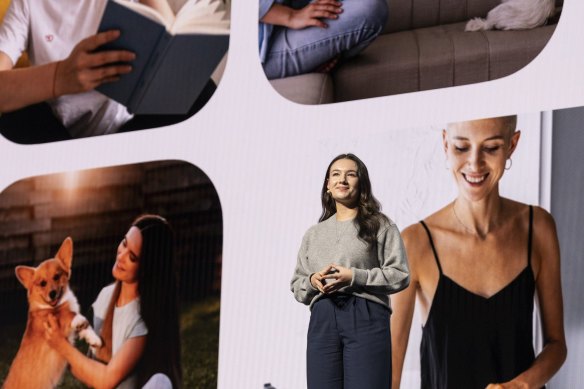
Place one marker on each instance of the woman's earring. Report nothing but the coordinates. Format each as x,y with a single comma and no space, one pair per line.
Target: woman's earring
446,166
510,163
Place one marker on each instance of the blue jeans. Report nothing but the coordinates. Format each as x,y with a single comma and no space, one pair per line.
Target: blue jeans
348,345
292,52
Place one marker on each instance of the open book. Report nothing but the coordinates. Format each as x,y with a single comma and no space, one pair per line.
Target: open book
174,58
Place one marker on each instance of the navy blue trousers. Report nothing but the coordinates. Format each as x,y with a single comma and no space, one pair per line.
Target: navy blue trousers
349,344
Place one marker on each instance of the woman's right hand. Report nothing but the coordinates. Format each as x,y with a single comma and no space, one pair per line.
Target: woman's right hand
86,69
316,278
313,13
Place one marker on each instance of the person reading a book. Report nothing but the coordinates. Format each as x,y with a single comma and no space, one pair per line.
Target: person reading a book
137,316
302,36
55,95
476,266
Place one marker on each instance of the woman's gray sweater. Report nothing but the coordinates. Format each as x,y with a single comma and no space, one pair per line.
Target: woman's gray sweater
376,273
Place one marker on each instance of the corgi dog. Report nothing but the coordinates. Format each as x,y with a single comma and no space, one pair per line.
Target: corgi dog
515,15
36,365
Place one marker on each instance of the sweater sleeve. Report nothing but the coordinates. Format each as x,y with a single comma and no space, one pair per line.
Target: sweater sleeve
393,273
300,285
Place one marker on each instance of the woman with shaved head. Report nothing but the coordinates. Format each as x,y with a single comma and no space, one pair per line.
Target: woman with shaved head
476,265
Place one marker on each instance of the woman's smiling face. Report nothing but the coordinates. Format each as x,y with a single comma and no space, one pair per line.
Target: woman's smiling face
128,256
476,152
343,182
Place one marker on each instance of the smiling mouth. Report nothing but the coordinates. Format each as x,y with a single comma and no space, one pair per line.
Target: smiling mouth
474,180
56,300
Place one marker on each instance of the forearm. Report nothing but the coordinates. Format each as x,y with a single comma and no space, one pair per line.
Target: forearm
401,323
22,87
303,290
279,15
393,274
547,363
91,372
398,353
387,280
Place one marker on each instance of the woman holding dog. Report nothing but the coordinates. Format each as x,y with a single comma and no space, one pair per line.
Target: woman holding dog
347,266
475,267
137,316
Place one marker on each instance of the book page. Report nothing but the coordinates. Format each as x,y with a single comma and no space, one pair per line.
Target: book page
202,17
146,11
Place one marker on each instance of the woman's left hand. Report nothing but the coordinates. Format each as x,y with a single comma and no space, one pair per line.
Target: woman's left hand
53,334
342,277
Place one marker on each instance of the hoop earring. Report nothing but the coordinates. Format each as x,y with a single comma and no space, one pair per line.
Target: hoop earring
510,164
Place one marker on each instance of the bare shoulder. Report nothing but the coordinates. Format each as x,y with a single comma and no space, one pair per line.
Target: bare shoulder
419,250
543,222
545,236
413,236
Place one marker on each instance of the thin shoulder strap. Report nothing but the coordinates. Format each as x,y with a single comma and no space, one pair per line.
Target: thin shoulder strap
432,244
529,238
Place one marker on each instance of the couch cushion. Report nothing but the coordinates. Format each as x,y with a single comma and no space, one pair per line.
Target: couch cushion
436,57
311,88
410,14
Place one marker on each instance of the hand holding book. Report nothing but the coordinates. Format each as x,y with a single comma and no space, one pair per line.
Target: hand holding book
86,69
174,59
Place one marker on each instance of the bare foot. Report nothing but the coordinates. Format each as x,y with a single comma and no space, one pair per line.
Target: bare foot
328,66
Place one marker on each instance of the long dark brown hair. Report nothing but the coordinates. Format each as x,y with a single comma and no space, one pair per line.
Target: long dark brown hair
158,291
369,216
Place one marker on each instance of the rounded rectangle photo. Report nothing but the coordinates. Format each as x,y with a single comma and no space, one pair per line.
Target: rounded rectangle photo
114,272
328,51
78,69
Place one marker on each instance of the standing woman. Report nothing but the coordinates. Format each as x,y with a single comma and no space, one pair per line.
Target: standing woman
476,265
348,265
136,316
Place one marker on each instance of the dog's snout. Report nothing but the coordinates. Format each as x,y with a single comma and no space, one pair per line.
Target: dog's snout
53,294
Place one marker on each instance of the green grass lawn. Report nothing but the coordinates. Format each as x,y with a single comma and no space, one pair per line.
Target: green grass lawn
199,324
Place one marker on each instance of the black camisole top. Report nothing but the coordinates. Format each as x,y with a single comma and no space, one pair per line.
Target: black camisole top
470,341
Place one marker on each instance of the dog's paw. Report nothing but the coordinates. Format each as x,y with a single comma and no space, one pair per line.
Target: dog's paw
91,337
79,323
477,24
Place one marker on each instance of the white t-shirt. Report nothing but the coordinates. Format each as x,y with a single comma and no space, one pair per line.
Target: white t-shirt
49,30
127,323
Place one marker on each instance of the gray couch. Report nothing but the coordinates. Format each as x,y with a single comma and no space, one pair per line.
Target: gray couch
424,46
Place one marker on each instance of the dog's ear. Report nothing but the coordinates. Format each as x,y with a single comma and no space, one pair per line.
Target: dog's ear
65,253
25,275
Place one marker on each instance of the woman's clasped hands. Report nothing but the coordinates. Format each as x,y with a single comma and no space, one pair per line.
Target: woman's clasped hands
338,275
